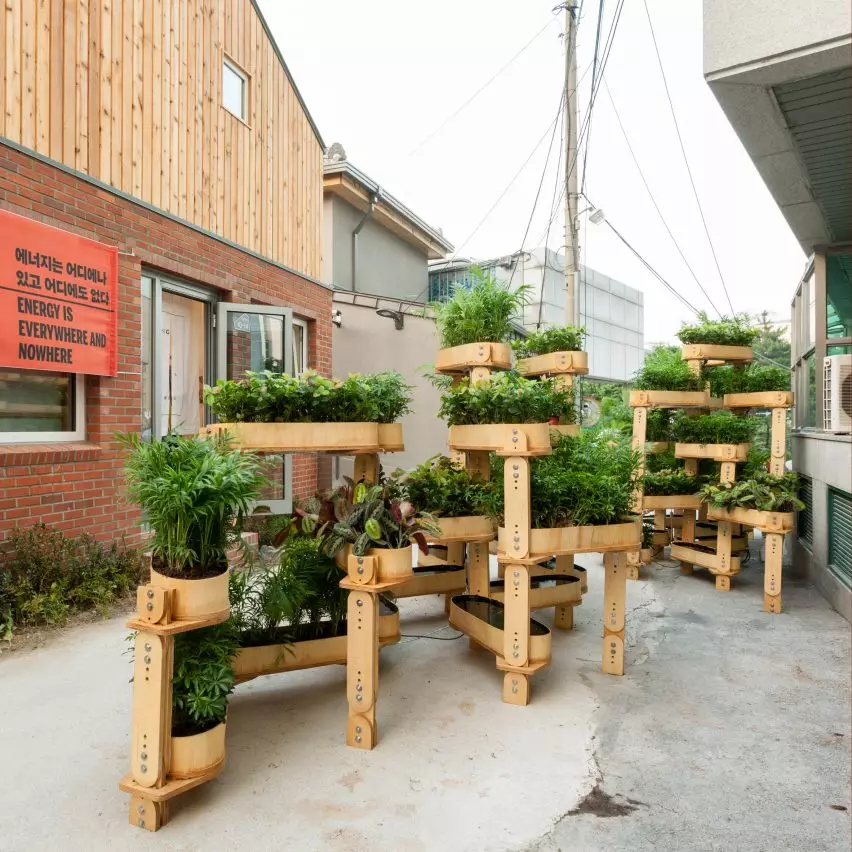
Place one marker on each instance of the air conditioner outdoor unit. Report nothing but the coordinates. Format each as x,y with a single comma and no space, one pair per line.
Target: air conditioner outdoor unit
837,393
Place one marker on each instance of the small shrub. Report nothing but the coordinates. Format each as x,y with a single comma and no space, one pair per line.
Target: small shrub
761,491
440,488
507,398
659,425
726,331
754,378
720,427
664,369
567,338
482,314
663,483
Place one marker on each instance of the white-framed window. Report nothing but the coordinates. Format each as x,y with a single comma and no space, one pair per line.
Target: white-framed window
300,347
38,406
234,89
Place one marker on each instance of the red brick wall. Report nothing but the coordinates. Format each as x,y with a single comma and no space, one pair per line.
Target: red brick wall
80,487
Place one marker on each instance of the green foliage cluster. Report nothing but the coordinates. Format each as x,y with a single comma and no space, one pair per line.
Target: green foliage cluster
589,479
310,398
726,331
664,369
203,678
482,314
270,529
754,378
718,427
655,462
442,489
648,532
192,491
365,515
772,343
761,491
615,413
50,575
507,398
567,338
665,482
659,424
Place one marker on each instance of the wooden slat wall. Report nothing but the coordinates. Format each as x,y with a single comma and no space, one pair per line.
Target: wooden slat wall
130,92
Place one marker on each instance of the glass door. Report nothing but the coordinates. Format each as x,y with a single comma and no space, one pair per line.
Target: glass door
257,338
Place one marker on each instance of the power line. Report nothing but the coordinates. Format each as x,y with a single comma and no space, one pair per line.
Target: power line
685,159
478,92
594,78
654,200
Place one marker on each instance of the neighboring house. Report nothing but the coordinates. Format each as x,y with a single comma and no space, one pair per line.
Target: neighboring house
612,312
173,139
785,82
376,258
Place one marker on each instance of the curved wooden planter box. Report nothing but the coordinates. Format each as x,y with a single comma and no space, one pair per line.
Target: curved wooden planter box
777,522
259,660
715,352
558,541
704,559
646,555
341,438
433,580
555,363
482,620
758,399
393,563
195,599
497,437
673,399
198,755
465,528
545,591
671,501
716,452
458,359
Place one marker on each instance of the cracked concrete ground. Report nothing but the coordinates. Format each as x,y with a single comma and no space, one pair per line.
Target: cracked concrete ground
730,730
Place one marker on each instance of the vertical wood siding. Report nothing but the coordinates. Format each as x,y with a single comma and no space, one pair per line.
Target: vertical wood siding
130,92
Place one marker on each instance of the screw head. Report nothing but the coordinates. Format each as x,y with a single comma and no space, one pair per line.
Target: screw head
516,476
515,467
143,768
147,646
141,809
357,738
358,729
147,660
359,602
149,606
360,560
360,569
514,431
516,573
141,823
359,697
359,687
516,654
514,689
144,755
150,593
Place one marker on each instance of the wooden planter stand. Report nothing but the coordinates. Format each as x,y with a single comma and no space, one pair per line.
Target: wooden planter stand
561,365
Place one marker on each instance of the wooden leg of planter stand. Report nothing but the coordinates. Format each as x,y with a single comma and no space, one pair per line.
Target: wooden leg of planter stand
729,472
367,467
615,596
478,573
686,568
778,444
687,530
362,668
702,513
516,688
148,814
772,571
723,582
633,565
723,547
640,427
659,520
563,618
516,631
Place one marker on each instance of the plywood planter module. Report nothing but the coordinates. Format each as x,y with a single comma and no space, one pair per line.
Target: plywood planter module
194,599
312,437
465,528
556,541
716,452
781,522
392,564
459,359
555,363
496,437
198,754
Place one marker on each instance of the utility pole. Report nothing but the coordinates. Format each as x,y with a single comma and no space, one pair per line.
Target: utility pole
572,249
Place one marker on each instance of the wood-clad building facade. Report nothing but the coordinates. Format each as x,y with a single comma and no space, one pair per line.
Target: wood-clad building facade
172,132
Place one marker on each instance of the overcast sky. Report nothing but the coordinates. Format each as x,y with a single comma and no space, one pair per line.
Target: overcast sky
380,76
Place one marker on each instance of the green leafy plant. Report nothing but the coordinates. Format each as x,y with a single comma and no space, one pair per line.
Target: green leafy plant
589,479
726,331
661,461
663,483
507,398
442,489
754,378
612,402
482,314
310,398
664,369
566,338
191,491
50,575
659,425
718,427
761,491
203,678
647,533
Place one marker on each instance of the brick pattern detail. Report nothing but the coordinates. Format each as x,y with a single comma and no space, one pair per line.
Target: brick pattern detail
79,487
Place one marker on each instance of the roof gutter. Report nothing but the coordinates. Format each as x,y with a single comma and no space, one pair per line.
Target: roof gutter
374,200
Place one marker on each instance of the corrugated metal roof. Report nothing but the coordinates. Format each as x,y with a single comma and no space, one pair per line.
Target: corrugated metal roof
818,112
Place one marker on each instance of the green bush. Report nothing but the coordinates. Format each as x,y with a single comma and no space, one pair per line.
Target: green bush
754,378
440,488
719,427
50,575
664,369
507,398
589,479
761,491
726,331
662,483
310,398
482,314
566,338
659,425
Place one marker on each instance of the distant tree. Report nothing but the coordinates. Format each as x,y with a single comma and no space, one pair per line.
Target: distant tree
773,343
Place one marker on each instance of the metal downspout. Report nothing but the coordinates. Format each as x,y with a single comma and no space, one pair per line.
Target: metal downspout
373,202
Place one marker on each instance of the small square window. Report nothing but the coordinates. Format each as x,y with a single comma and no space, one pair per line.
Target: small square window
234,90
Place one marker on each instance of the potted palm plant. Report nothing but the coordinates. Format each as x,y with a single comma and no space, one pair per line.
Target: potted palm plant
192,491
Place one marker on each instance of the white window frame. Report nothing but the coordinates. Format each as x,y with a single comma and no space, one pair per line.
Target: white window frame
78,433
229,63
304,326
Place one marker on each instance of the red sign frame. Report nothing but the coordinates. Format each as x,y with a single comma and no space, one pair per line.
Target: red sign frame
58,299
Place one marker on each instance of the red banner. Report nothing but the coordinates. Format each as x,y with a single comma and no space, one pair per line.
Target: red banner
58,299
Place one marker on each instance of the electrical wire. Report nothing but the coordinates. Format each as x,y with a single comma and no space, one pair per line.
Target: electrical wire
654,200
685,159
478,92
594,79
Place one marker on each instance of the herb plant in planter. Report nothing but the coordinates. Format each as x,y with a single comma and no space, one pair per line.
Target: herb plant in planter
726,331
762,492
719,427
567,338
665,370
192,492
669,482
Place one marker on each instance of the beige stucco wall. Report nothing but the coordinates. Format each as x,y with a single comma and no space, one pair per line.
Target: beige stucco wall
368,343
